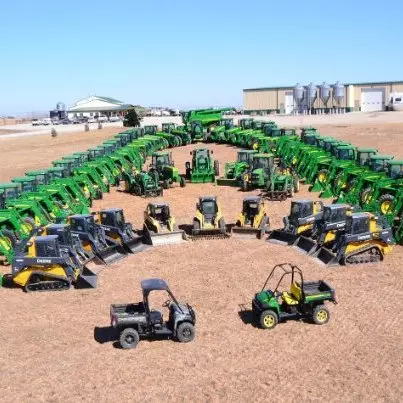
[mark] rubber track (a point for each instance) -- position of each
(57, 284)
(360, 256)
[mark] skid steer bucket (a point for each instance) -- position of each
(275, 195)
(246, 232)
(305, 245)
(134, 244)
(326, 256)
(111, 253)
(87, 279)
(282, 237)
(164, 238)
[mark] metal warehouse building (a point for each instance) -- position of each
(365, 97)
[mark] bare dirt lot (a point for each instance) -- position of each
(57, 346)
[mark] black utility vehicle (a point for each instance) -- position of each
(138, 320)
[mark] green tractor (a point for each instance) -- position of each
(143, 183)
(27, 183)
(205, 117)
(233, 171)
(162, 162)
(302, 300)
(203, 169)
(259, 173)
(217, 134)
(282, 183)
(182, 132)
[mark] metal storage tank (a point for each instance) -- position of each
(338, 93)
(298, 96)
(324, 94)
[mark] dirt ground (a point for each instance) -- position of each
(58, 346)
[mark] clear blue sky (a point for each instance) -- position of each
(189, 53)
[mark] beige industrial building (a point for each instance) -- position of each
(365, 97)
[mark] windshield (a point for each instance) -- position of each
(345, 154)
(161, 160)
(11, 193)
(209, 207)
(260, 162)
(396, 171)
(251, 208)
(41, 179)
(27, 187)
(243, 157)
(377, 165)
(90, 225)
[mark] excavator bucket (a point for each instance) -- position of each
(282, 237)
(87, 279)
(245, 232)
(164, 238)
(305, 245)
(326, 256)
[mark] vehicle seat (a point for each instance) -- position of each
(156, 317)
(295, 295)
(288, 299)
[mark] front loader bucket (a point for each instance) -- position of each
(275, 195)
(134, 245)
(228, 182)
(87, 279)
(164, 238)
(282, 237)
(305, 245)
(326, 256)
(245, 232)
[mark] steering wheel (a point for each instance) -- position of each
(166, 303)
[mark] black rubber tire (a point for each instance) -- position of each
(182, 182)
(129, 338)
(320, 315)
(221, 224)
(185, 332)
(245, 185)
(264, 227)
(336, 181)
(216, 168)
(196, 226)
(165, 184)
(264, 322)
(386, 198)
(179, 140)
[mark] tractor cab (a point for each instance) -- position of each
(44, 246)
(161, 159)
(310, 138)
(68, 165)
(328, 143)
(41, 176)
(208, 206)
(77, 162)
(62, 231)
(262, 161)
(271, 131)
(2, 200)
(10, 191)
(150, 130)
(201, 158)
(116, 143)
(395, 169)
(257, 125)
(335, 213)
(96, 152)
(158, 211)
(28, 183)
(251, 207)
(379, 163)
(245, 123)
(168, 127)
(58, 173)
(358, 223)
(301, 210)
(83, 223)
(287, 132)
(227, 123)
(345, 153)
(109, 148)
(364, 155)
(84, 156)
(246, 156)
(124, 138)
(112, 217)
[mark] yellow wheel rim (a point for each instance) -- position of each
(386, 206)
(322, 177)
(321, 316)
(268, 321)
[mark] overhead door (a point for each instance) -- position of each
(289, 102)
(372, 99)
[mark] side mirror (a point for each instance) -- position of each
(211, 152)
(191, 153)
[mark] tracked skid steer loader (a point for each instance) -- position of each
(94, 240)
(325, 230)
(116, 228)
(301, 220)
(365, 239)
(160, 226)
(47, 267)
(253, 221)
